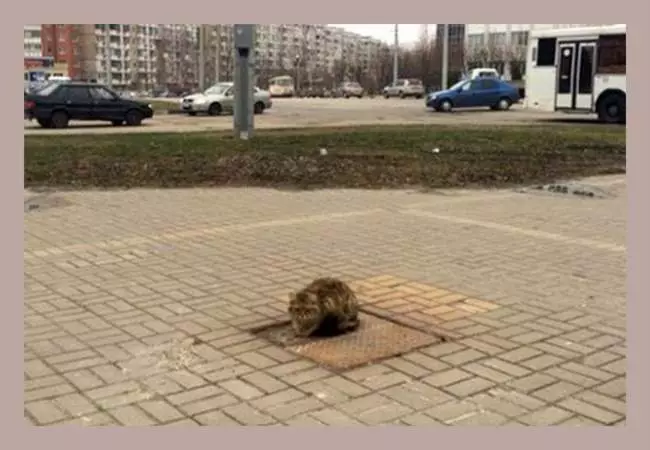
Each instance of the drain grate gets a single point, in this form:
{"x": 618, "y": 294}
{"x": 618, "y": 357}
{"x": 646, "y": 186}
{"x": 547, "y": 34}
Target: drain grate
{"x": 375, "y": 339}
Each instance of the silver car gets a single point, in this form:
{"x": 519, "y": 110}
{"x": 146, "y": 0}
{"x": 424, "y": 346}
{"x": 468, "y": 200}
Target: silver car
{"x": 221, "y": 98}
{"x": 405, "y": 87}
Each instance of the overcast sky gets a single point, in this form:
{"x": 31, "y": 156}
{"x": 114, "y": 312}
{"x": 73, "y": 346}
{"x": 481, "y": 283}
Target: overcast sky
{"x": 408, "y": 33}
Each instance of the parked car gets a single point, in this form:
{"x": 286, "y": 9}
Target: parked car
{"x": 480, "y": 92}
{"x": 57, "y": 103}
{"x": 349, "y": 89}
{"x": 405, "y": 87}
{"x": 221, "y": 98}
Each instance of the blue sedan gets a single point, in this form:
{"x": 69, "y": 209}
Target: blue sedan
{"x": 480, "y": 92}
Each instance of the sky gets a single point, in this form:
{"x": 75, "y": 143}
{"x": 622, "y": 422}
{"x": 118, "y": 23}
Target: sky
{"x": 408, "y": 33}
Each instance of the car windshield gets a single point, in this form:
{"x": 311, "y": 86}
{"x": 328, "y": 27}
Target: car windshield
{"x": 46, "y": 89}
{"x": 458, "y": 85}
{"x": 217, "y": 89}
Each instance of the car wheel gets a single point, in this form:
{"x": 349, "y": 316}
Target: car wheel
{"x": 133, "y": 118}
{"x": 418, "y": 96}
{"x": 611, "y": 109}
{"x": 445, "y": 106}
{"x": 45, "y": 123}
{"x": 117, "y": 123}
{"x": 258, "y": 108}
{"x": 214, "y": 109}
{"x": 59, "y": 119}
{"x": 504, "y": 104}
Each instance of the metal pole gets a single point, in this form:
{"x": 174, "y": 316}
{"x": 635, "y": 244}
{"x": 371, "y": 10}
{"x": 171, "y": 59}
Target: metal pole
{"x": 244, "y": 40}
{"x": 445, "y": 55}
{"x": 507, "y": 66}
{"x": 107, "y": 55}
{"x": 396, "y": 55}
{"x": 202, "y": 58}
{"x": 217, "y": 67}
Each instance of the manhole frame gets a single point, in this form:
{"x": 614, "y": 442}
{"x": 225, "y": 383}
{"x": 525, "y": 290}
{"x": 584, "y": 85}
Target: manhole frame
{"x": 441, "y": 336}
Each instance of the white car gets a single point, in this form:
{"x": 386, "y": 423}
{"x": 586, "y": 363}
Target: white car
{"x": 405, "y": 87}
{"x": 221, "y": 98}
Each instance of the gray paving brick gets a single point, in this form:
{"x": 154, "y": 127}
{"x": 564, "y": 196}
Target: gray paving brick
{"x": 416, "y": 395}
{"x": 161, "y": 411}
{"x": 463, "y": 357}
{"x": 329, "y": 416}
{"x": 246, "y": 415}
{"x": 550, "y": 415}
{"x": 265, "y": 382}
{"x": 469, "y": 387}
{"x": 589, "y": 410}
{"x": 147, "y": 267}
{"x": 241, "y": 389}
{"x": 613, "y": 388}
{"x": 603, "y": 401}
{"x": 131, "y": 415}
{"x": 44, "y": 412}
{"x": 447, "y": 377}
{"x": 556, "y": 391}
{"x": 531, "y": 382}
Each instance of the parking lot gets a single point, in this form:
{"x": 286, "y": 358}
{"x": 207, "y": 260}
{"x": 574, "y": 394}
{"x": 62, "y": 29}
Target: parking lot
{"x": 304, "y": 112}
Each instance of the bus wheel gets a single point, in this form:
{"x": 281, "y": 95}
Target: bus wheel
{"x": 611, "y": 109}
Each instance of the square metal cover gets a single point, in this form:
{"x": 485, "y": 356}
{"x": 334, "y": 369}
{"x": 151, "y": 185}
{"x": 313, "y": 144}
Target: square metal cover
{"x": 375, "y": 339}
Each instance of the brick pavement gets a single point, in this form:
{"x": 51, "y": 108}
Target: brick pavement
{"x": 139, "y": 306}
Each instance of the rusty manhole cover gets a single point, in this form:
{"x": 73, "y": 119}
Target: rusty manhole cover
{"x": 375, "y": 339}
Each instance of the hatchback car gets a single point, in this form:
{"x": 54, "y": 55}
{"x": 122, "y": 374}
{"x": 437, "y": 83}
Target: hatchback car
{"x": 481, "y": 92}
{"x": 408, "y": 87}
{"x": 351, "y": 89}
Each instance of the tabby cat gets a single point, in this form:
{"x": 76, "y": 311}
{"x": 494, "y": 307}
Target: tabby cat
{"x": 326, "y": 306}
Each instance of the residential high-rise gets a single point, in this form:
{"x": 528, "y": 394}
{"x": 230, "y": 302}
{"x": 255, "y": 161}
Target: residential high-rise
{"x": 145, "y": 56}
{"x": 32, "y": 40}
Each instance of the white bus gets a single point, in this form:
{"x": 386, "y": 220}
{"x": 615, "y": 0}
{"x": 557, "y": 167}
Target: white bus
{"x": 578, "y": 70}
{"x": 282, "y": 86}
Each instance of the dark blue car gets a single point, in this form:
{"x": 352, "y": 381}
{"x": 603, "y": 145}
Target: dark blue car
{"x": 480, "y": 92}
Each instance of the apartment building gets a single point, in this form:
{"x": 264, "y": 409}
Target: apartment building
{"x": 32, "y": 40}
{"x": 502, "y": 36}
{"x": 504, "y": 46}
{"x": 144, "y": 56}
{"x": 456, "y": 45}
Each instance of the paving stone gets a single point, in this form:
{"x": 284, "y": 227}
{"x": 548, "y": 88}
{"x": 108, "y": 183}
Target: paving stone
{"x": 556, "y": 391}
{"x": 550, "y": 415}
{"x": 447, "y": 377}
{"x": 131, "y": 415}
{"x": 161, "y": 411}
{"x": 593, "y": 412}
{"x": 212, "y": 264}
{"x": 45, "y": 412}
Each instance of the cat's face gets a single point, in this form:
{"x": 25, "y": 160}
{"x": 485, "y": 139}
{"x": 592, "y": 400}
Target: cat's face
{"x": 304, "y": 312}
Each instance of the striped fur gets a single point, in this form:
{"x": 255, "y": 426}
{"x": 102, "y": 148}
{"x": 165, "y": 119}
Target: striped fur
{"x": 326, "y": 305}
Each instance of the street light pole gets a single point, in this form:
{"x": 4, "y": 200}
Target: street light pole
{"x": 396, "y": 55}
{"x": 445, "y": 55}
{"x": 202, "y": 58}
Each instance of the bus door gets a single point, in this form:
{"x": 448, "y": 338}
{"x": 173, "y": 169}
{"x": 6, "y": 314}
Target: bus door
{"x": 575, "y": 75}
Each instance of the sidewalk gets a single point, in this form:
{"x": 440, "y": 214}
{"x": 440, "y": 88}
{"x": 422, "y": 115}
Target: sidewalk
{"x": 140, "y": 306}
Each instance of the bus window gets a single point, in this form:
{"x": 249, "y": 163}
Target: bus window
{"x": 546, "y": 51}
{"x": 612, "y": 54}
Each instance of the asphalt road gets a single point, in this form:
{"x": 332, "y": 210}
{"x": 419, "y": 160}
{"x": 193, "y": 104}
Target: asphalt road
{"x": 291, "y": 113}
